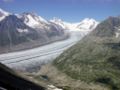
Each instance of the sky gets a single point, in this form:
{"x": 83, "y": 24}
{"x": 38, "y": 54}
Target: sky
{"x": 67, "y": 10}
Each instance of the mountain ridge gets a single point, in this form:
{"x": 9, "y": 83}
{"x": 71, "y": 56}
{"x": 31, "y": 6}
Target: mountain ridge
{"x": 32, "y": 19}
{"x": 96, "y": 58}
{"x": 84, "y": 25}
{"x": 29, "y": 28}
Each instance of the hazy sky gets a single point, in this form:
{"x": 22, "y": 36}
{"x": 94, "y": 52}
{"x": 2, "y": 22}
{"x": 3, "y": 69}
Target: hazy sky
{"x": 68, "y": 10}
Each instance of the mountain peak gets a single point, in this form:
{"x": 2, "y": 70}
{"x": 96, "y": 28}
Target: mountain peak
{"x": 108, "y": 28}
{"x": 88, "y": 20}
{"x": 32, "y": 19}
{"x": 30, "y": 13}
{"x": 85, "y": 24}
{"x": 3, "y": 14}
{"x": 55, "y": 19}
{"x": 58, "y": 22}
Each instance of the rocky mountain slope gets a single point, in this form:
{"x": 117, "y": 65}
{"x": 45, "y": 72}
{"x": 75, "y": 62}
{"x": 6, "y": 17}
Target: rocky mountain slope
{"x": 96, "y": 58}
{"x": 11, "y": 80}
{"x": 26, "y": 30}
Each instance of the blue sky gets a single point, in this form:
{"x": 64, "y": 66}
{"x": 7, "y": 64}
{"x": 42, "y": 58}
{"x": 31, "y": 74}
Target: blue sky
{"x": 68, "y": 10}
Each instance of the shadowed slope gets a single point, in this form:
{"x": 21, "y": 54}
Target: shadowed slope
{"x": 12, "y": 81}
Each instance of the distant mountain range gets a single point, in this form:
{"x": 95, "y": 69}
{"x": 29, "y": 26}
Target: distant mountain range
{"x": 27, "y": 30}
{"x": 96, "y": 58}
{"x": 85, "y": 25}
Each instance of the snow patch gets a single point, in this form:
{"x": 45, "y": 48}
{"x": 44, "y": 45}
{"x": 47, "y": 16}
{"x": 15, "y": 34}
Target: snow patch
{"x": 22, "y": 30}
{"x": 3, "y": 14}
{"x": 30, "y": 21}
{"x": 58, "y": 22}
{"x": 87, "y": 24}
{"x": 52, "y": 87}
{"x": 117, "y": 34}
{"x": 33, "y": 20}
{"x": 1, "y": 18}
{"x": 42, "y": 19}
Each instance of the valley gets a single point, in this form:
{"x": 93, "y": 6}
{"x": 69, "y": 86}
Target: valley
{"x": 28, "y": 41}
{"x": 59, "y": 45}
{"x": 23, "y": 60}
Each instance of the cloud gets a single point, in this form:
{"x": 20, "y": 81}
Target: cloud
{"x": 7, "y": 0}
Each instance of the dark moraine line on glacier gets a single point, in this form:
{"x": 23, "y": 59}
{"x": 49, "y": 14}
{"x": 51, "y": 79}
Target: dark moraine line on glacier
{"x": 24, "y": 59}
{"x": 24, "y": 56}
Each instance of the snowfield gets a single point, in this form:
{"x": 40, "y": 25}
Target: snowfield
{"x": 35, "y": 57}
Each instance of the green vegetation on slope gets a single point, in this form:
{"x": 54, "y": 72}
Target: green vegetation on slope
{"x": 96, "y": 58}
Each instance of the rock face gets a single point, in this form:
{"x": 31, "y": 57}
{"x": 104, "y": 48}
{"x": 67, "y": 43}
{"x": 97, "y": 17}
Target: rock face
{"x": 10, "y": 80}
{"x": 96, "y": 58}
{"x": 14, "y": 31}
{"x": 27, "y": 28}
{"x": 108, "y": 28}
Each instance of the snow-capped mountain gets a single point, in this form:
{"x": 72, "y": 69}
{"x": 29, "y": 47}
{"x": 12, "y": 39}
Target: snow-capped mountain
{"x": 59, "y": 22}
{"x": 3, "y": 14}
{"x": 86, "y": 24}
{"x": 16, "y": 29}
{"x": 33, "y": 20}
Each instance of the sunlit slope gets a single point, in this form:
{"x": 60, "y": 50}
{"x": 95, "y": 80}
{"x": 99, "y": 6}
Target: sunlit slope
{"x": 96, "y": 58}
